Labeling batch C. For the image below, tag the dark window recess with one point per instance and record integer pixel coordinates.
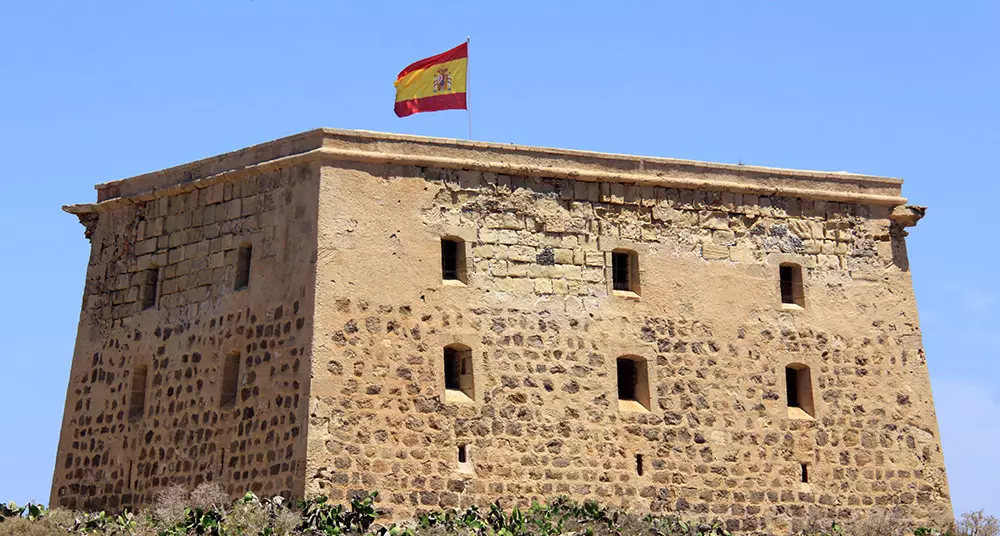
(791, 284)
(452, 369)
(638, 464)
(149, 287)
(792, 385)
(463, 454)
(805, 473)
(628, 377)
(798, 385)
(620, 271)
(230, 380)
(243, 257)
(458, 370)
(633, 382)
(137, 400)
(449, 259)
(787, 294)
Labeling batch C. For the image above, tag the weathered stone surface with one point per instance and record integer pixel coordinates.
(342, 329)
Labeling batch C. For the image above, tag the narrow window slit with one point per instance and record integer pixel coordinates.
(805, 473)
(464, 462)
(638, 464)
(243, 257)
(137, 400)
(792, 385)
(451, 369)
(230, 380)
(150, 281)
(619, 270)
(626, 379)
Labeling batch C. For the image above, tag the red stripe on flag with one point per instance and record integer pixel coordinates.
(451, 101)
(461, 51)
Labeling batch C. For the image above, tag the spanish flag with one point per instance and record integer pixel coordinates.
(434, 83)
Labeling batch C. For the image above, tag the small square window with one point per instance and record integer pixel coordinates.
(625, 271)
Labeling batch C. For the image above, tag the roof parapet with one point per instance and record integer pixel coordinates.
(332, 145)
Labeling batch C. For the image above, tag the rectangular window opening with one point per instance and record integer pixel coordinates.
(452, 260)
(152, 277)
(230, 380)
(792, 385)
(620, 271)
(243, 257)
(452, 369)
(805, 473)
(791, 284)
(458, 374)
(464, 460)
(627, 376)
(638, 464)
(449, 259)
(137, 400)
(633, 383)
(798, 389)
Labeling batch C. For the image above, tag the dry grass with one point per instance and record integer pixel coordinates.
(978, 524)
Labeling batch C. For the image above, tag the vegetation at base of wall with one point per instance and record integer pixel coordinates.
(208, 511)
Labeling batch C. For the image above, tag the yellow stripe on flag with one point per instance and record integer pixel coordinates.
(433, 80)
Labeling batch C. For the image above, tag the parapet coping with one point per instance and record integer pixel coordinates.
(368, 147)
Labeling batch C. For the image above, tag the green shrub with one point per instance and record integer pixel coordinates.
(207, 511)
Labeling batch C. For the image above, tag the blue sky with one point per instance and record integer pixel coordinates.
(906, 89)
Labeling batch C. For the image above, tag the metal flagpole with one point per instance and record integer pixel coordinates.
(468, 108)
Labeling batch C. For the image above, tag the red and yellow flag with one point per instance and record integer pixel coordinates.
(434, 83)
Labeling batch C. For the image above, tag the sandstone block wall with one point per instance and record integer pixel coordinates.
(185, 435)
(347, 318)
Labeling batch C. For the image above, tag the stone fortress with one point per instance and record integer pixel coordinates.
(452, 322)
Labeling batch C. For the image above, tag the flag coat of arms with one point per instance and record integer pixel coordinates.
(434, 83)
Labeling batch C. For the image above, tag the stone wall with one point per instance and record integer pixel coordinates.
(342, 331)
(186, 435)
(546, 328)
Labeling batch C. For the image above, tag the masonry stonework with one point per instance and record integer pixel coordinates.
(342, 329)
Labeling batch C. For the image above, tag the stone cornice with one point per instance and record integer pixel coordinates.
(332, 145)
